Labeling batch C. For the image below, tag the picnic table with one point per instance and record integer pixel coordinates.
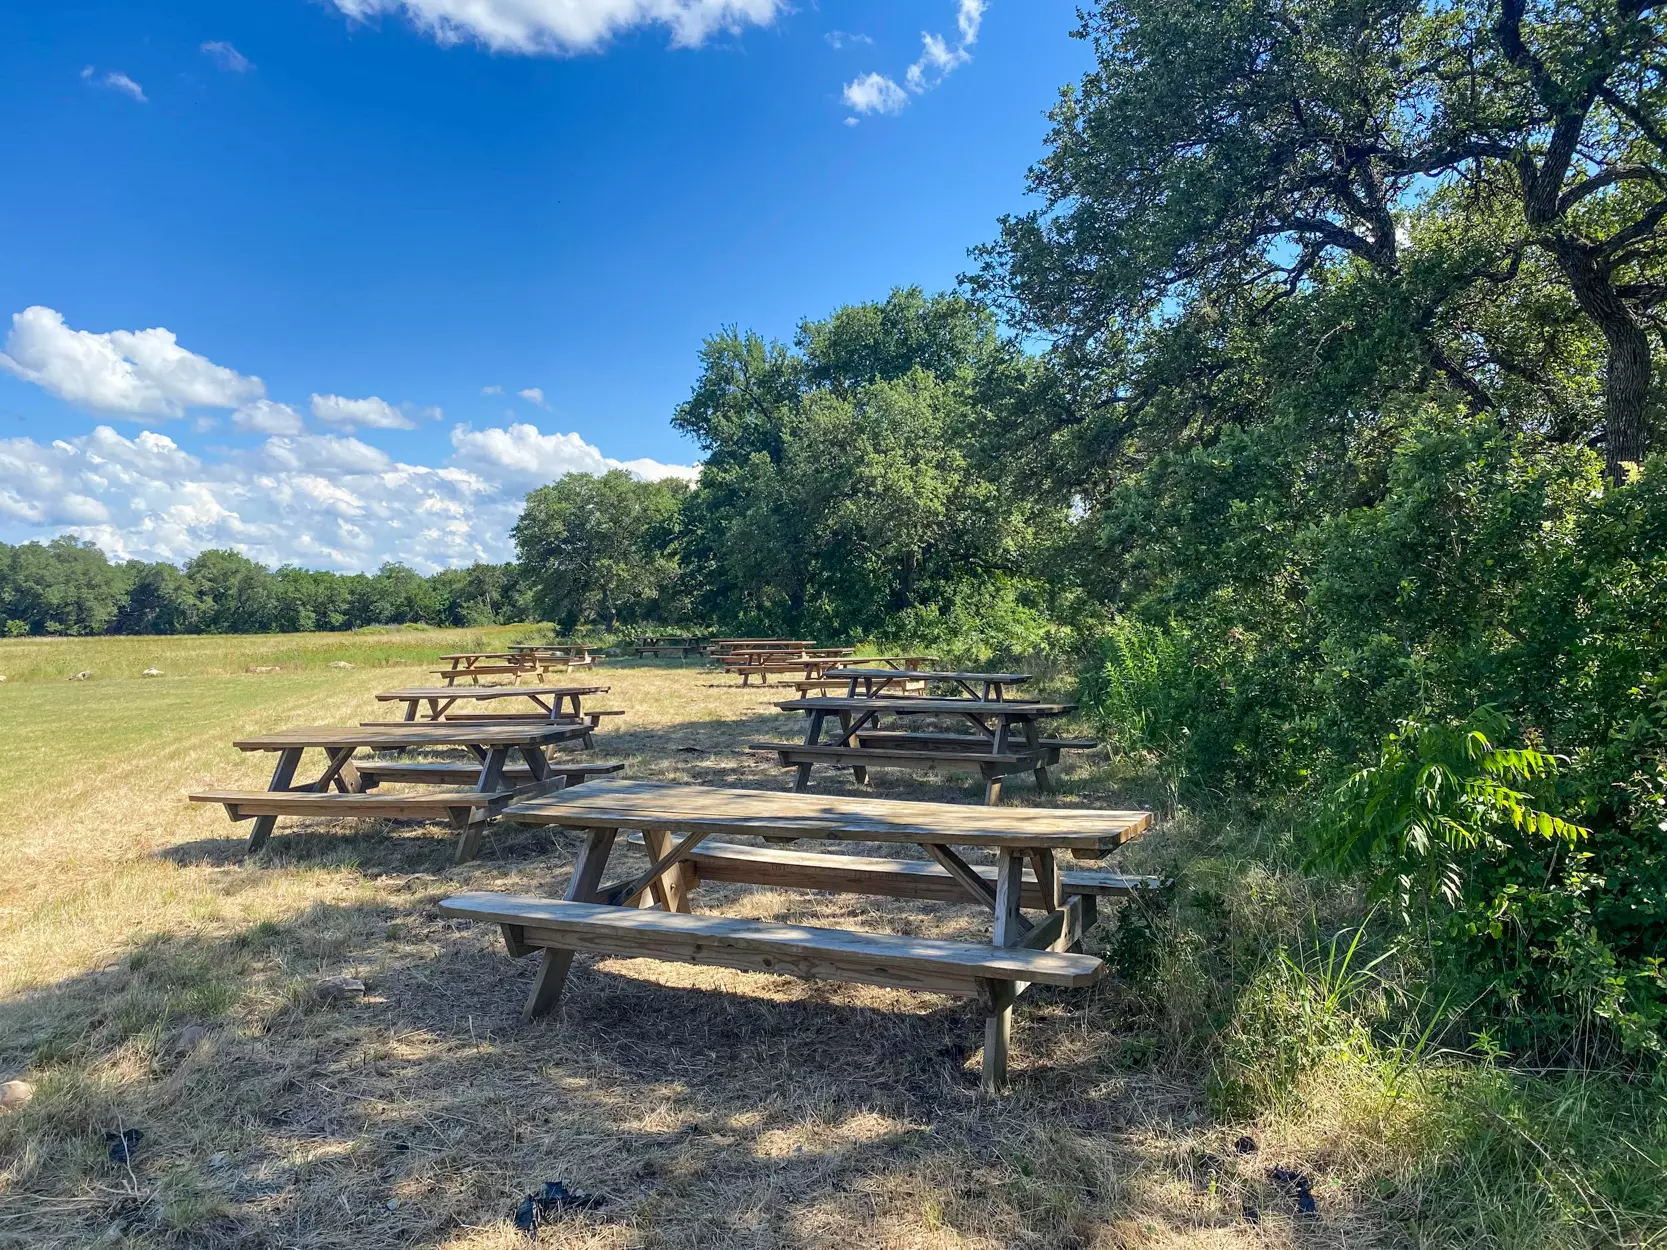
(678, 646)
(647, 913)
(567, 656)
(555, 704)
(489, 783)
(987, 687)
(1005, 738)
(760, 664)
(477, 664)
(902, 670)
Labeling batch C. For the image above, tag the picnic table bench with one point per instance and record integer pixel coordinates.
(467, 807)
(648, 914)
(1006, 738)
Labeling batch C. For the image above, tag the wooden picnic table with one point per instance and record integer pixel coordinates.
(609, 917)
(490, 742)
(555, 704)
(987, 687)
(1005, 738)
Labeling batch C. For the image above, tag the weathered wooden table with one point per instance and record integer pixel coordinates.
(987, 687)
(608, 917)
(555, 704)
(491, 743)
(477, 664)
(1006, 738)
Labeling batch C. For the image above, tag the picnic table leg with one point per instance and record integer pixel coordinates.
(671, 888)
(1033, 742)
(801, 782)
(491, 779)
(998, 1034)
(553, 968)
(999, 995)
(289, 760)
(859, 772)
(992, 789)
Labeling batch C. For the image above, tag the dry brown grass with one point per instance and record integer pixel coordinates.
(707, 1107)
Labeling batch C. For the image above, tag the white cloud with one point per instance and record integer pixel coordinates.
(555, 27)
(491, 390)
(523, 457)
(377, 414)
(226, 56)
(875, 93)
(265, 416)
(131, 373)
(533, 396)
(839, 40)
(120, 82)
(320, 500)
(937, 58)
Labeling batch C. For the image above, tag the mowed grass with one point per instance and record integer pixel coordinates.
(154, 978)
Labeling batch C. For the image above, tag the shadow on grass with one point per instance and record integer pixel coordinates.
(704, 1107)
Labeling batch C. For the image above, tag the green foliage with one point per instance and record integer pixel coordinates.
(1439, 796)
(839, 492)
(598, 548)
(67, 587)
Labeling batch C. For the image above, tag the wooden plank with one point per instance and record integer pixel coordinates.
(890, 878)
(444, 774)
(830, 753)
(793, 950)
(632, 804)
(553, 967)
(486, 692)
(401, 734)
(422, 805)
(914, 706)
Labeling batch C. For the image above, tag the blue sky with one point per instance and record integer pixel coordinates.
(510, 229)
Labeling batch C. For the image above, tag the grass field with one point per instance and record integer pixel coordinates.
(153, 978)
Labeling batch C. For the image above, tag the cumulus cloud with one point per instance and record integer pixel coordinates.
(557, 27)
(875, 93)
(320, 500)
(265, 416)
(533, 395)
(226, 57)
(375, 413)
(522, 456)
(132, 373)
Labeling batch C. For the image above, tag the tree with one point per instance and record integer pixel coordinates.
(1219, 153)
(236, 595)
(599, 547)
(838, 488)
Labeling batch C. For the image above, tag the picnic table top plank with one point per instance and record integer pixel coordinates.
(931, 674)
(484, 692)
(916, 705)
(408, 734)
(662, 805)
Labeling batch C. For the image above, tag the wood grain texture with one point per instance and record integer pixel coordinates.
(793, 950)
(403, 734)
(662, 805)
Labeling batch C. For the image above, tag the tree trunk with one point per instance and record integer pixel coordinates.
(1627, 377)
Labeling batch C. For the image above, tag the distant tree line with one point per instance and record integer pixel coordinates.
(70, 587)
